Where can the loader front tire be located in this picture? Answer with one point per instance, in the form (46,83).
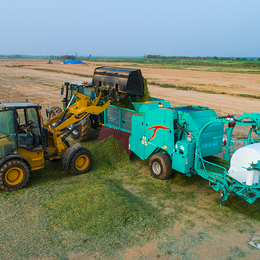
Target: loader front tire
(14,175)
(160,166)
(54,111)
(84,131)
(81,162)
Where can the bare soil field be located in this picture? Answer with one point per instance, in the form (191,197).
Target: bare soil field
(40,82)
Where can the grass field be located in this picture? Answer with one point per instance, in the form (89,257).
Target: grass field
(196,64)
(117,210)
(113,208)
(221,65)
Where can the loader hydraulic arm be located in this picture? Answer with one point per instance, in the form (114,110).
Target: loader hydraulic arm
(73,115)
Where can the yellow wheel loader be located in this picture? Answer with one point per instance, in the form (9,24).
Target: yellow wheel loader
(26,143)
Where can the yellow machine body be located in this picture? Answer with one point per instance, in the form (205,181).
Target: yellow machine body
(25,144)
(83,106)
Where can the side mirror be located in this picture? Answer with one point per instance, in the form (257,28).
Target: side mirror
(62,90)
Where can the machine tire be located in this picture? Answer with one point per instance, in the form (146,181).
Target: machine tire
(14,175)
(160,166)
(81,162)
(54,111)
(84,132)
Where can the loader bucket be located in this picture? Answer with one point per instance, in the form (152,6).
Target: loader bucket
(114,82)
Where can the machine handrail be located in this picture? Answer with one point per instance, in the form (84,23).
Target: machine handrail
(216,175)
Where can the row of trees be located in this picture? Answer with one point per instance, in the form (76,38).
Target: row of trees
(12,56)
(192,58)
(159,57)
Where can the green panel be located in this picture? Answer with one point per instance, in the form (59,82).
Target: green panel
(153,130)
(144,107)
(193,118)
(137,141)
(183,157)
(169,139)
(211,140)
(159,129)
(119,118)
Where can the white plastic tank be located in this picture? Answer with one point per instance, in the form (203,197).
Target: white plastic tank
(243,159)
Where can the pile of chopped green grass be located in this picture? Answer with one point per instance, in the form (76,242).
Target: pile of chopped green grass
(109,155)
(184,181)
(102,209)
(237,205)
(127,102)
(58,214)
(146,96)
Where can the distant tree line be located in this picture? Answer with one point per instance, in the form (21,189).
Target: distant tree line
(12,56)
(192,58)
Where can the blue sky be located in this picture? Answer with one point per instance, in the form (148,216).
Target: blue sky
(130,28)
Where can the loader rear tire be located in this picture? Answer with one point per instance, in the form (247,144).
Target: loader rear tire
(54,111)
(160,166)
(84,132)
(14,175)
(81,162)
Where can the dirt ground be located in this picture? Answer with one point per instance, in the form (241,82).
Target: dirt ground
(18,83)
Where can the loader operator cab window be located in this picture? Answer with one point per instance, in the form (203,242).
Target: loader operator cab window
(7,132)
(27,124)
(78,89)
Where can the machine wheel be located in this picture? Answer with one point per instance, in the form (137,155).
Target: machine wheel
(81,162)
(160,166)
(54,111)
(14,174)
(84,132)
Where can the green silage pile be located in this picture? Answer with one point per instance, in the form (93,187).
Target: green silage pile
(58,213)
(99,208)
(109,155)
(102,209)
(108,210)
(127,102)
(146,96)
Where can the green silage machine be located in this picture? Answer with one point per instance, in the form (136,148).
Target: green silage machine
(190,140)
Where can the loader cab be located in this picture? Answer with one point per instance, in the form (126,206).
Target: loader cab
(20,127)
(82,87)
